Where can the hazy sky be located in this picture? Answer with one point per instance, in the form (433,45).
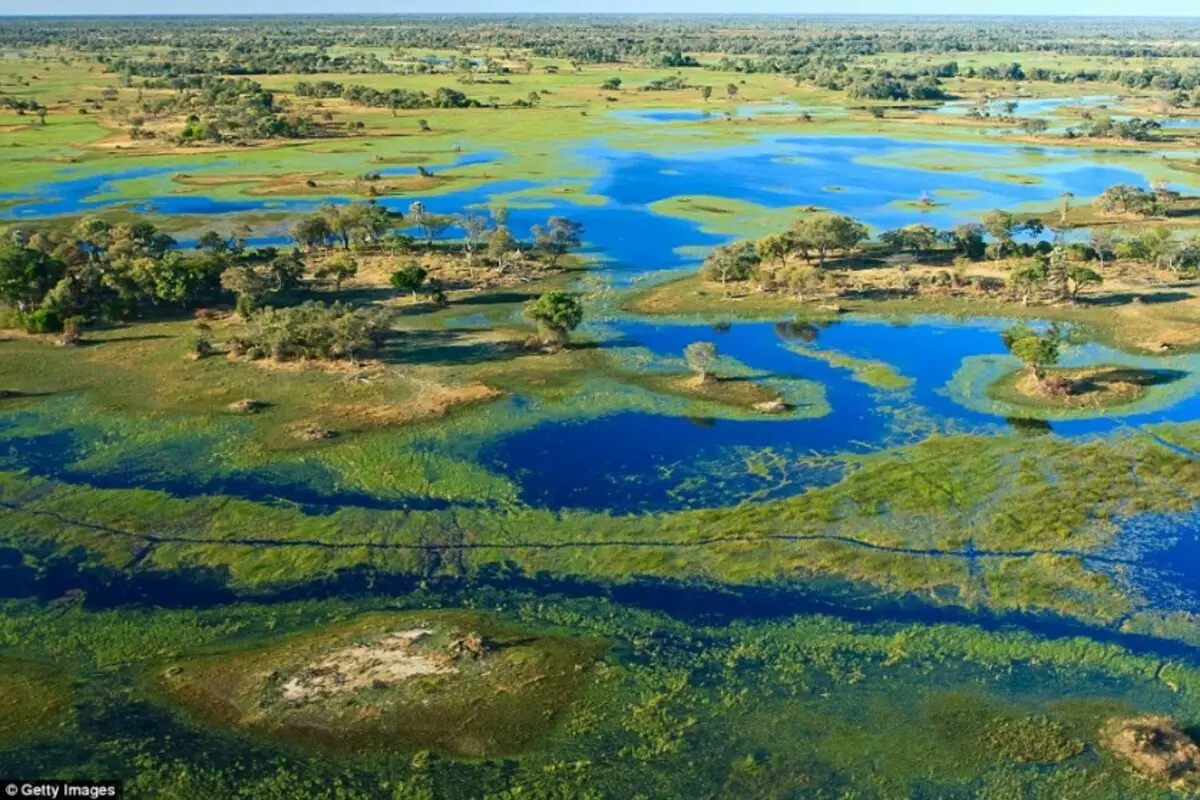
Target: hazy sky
(1064,7)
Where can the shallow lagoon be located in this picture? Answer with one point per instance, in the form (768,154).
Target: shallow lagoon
(864,176)
(641,461)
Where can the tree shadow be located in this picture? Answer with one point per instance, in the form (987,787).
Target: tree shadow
(498,298)
(1125,298)
(142,337)
(446,347)
(1129,376)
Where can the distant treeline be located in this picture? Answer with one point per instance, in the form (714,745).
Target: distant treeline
(360,95)
(274,44)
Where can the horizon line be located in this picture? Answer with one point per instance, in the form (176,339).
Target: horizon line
(719,14)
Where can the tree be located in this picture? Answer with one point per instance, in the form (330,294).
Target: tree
(558,237)
(249,287)
(366,223)
(731,90)
(1161,247)
(212,243)
(918,238)
(1064,208)
(968,240)
(338,269)
(556,314)
(1001,226)
(339,221)
(26,276)
(706,92)
(734,262)
(775,247)
(474,226)
(1126,199)
(832,232)
(409,278)
(500,244)
(286,270)
(611,85)
(432,225)
(1029,277)
(804,280)
(701,359)
(1059,273)
(1036,350)
(1081,276)
(1104,242)
(312,232)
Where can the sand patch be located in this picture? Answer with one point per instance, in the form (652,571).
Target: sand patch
(391,659)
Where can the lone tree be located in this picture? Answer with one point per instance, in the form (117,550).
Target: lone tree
(409,278)
(1036,350)
(556,314)
(702,359)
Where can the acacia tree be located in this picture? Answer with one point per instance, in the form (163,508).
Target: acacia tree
(556,314)
(701,359)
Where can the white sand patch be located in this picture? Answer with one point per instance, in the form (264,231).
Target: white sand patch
(388,660)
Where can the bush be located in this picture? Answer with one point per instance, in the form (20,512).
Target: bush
(43,320)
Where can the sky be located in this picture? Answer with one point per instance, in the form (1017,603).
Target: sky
(1190,8)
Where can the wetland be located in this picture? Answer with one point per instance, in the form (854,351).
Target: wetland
(463,411)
